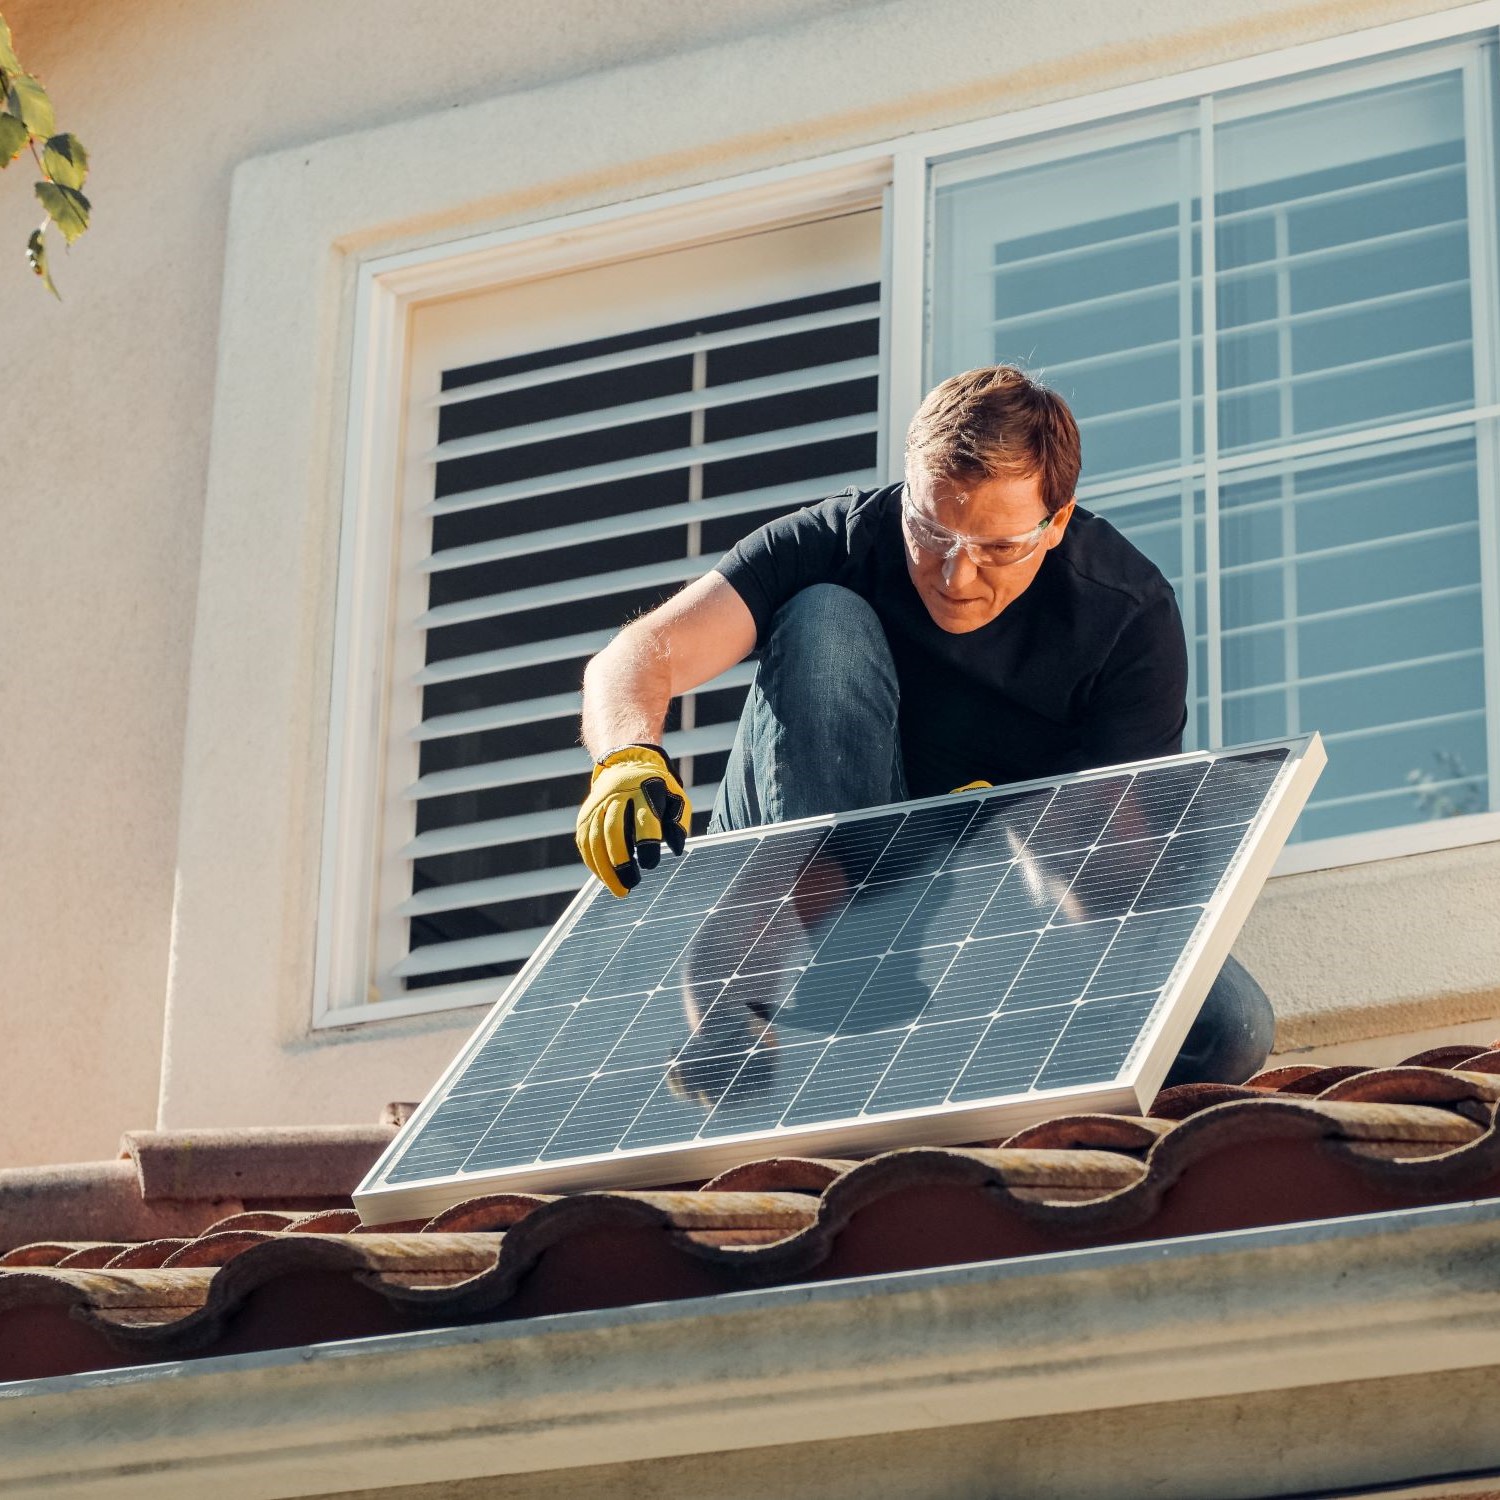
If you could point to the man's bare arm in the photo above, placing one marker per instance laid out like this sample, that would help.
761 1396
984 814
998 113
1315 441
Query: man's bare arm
698 633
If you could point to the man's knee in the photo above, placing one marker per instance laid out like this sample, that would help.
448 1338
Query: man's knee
816 617
829 642
1233 1034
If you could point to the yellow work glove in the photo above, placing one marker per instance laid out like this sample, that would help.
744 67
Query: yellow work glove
634 806
972 786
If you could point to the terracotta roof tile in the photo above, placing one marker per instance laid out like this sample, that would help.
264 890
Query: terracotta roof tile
280 1165
1296 1143
179 1183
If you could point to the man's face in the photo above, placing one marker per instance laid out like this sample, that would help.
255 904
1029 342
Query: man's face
960 594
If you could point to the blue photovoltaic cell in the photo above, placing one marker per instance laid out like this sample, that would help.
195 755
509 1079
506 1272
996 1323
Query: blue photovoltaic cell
913 959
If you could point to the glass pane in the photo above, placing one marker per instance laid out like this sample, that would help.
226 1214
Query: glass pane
1084 271
1342 264
1350 595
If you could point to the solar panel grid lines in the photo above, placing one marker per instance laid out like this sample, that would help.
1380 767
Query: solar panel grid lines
826 978
947 816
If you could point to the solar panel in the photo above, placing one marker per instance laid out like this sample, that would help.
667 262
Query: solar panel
945 970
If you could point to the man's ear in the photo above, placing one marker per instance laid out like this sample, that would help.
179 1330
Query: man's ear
1060 523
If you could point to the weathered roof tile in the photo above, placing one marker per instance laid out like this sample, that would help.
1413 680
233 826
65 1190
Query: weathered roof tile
1296 1143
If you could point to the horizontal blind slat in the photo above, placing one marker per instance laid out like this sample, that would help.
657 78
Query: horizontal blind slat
1225 274
678 404
1349 674
1350 549
1394 726
549 882
750 333
554 706
564 591
634 523
494 832
1295 319
1171 232
551 764
509 658
1350 611
747 446
470 953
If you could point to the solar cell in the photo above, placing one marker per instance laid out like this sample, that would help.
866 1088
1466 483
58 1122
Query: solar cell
947 969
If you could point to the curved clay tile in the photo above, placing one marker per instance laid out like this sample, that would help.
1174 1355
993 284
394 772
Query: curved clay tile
146 1256
1188 1098
89 1257
1228 1157
1414 1085
783 1174
325 1221
1454 1055
261 1218
1316 1080
1281 1077
218 1249
493 1212
43 1253
1483 1062
1091 1133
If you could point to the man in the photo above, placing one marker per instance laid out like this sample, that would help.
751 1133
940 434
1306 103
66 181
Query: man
969 625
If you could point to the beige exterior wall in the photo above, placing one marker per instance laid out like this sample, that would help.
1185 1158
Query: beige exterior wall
136 627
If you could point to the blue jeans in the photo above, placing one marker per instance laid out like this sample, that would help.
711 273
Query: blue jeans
819 735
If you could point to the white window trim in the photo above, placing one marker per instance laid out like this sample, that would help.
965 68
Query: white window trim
389 287
371 600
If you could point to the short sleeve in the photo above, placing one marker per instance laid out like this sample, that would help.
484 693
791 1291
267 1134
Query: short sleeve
1138 707
787 555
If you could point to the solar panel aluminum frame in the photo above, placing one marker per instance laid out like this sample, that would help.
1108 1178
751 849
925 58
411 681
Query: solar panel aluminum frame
1131 1092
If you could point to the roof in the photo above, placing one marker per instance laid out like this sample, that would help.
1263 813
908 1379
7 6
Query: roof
210 1243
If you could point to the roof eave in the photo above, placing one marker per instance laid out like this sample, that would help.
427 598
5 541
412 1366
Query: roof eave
1383 1297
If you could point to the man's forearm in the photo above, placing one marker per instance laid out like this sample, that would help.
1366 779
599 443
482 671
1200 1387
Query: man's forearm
627 688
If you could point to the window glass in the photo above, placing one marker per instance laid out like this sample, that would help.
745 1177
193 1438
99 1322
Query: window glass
1082 269
1342 280
1353 582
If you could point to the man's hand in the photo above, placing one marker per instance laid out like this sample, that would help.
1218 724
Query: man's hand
634 805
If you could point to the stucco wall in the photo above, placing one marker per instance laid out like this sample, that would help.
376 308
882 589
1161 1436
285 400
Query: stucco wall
104 448
108 461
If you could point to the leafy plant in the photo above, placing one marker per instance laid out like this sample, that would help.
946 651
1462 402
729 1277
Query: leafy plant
27 122
1447 792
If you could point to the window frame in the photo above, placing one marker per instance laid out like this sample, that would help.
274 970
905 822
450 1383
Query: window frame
370 602
376 600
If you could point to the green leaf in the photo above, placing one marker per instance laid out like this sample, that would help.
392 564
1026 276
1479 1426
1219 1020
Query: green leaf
66 207
9 62
65 161
29 102
13 138
36 258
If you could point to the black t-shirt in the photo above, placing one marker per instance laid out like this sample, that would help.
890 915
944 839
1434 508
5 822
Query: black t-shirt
1087 668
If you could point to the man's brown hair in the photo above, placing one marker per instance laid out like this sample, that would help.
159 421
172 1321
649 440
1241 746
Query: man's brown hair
996 423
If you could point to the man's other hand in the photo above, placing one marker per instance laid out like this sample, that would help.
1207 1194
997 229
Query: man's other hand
634 806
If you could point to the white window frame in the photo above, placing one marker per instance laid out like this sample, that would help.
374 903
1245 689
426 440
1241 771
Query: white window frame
370 601
374 597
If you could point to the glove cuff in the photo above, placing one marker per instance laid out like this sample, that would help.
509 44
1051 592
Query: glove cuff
624 753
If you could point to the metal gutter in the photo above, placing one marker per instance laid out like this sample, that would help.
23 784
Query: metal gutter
1382 1297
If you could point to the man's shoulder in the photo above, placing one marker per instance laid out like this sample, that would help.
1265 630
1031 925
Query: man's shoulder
1102 560
863 505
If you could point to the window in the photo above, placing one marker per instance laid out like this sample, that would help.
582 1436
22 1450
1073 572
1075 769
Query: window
1273 307
1311 462
579 446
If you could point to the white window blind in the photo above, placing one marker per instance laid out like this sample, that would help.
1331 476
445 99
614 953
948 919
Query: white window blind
1321 488
563 485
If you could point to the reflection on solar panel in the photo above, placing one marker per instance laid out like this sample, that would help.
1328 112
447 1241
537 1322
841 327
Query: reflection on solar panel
944 970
